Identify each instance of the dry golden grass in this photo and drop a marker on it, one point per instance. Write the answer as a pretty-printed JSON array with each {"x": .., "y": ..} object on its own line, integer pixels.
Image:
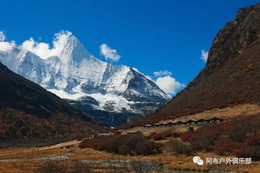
[
  {"x": 148, "y": 131},
  {"x": 225, "y": 113},
  {"x": 20, "y": 166},
  {"x": 37, "y": 152},
  {"x": 180, "y": 162}
]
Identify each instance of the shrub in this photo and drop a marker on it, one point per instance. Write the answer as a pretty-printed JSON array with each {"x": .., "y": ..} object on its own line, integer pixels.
[
  {"x": 187, "y": 136},
  {"x": 225, "y": 146},
  {"x": 203, "y": 142},
  {"x": 163, "y": 135},
  {"x": 79, "y": 167},
  {"x": 177, "y": 147},
  {"x": 98, "y": 143},
  {"x": 53, "y": 167},
  {"x": 242, "y": 126},
  {"x": 145, "y": 147},
  {"x": 253, "y": 140},
  {"x": 124, "y": 149},
  {"x": 249, "y": 152},
  {"x": 155, "y": 136},
  {"x": 133, "y": 144},
  {"x": 169, "y": 133},
  {"x": 239, "y": 137},
  {"x": 237, "y": 132}
]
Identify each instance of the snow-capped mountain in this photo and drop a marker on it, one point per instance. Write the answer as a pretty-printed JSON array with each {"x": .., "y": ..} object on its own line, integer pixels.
[{"x": 103, "y": 89}]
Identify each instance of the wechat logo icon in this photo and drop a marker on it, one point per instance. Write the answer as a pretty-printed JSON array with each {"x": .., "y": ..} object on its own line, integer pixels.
[{"x": 196, "y": 159}]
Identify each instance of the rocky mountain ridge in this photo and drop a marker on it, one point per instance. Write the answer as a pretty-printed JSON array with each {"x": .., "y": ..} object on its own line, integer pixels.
[
  {"x": 96, "y": 87},
  {"x": 231, "y": 75},
  {"x": 29, "y": 111}
]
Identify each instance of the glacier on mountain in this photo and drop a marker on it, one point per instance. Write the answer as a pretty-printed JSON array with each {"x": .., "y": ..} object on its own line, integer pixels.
[{"x": 74, "y": 74}]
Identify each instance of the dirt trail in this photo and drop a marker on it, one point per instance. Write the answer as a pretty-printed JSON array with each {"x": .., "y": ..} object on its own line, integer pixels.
[{"x": 17, "y": 152}]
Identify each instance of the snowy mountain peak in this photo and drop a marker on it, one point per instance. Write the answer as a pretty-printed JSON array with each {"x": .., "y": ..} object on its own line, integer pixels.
[
  {"x": 73, "y": 50},
  {"x": 71, "y": 72}
]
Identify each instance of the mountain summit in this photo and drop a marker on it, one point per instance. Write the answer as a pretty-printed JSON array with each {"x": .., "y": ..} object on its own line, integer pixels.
[
  {"x": 113, "y": 93},
  {"x": 232, "y": 73}
]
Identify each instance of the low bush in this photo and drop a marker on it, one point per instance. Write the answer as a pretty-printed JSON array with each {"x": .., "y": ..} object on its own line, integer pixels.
[
  {"x": 177, "y": 147},
  {"x": 155, "y": 136},
  {"x": 163, "y": 135},
  {"x": 133, "y": 144},
  {"x": 240, "y": 137},
  {"x": 249, "y": 152},
  {"x": 187, "y": 136},
  {"x": 225, "y": 146}
]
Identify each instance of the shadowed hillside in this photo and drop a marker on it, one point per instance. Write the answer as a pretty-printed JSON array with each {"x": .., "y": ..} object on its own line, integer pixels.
[
  {"x": 231, "y": 75},
  {"x": 27, "y": 110}
]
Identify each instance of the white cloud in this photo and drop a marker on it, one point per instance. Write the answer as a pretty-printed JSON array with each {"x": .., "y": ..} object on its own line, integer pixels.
[
  {"x": 162, "y": 73},
  {"x": 168, "y": 84},
  {"x": 108, "y": 53},
  {"x": 43, "y": 49},
  {"x": 5, "y": 45},
  {"x": 204, "y": 55},
  {"x": 2, "y": 36}
]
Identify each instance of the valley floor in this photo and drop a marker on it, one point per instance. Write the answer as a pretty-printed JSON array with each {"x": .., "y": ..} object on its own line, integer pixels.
[{"x": 31, "y": 159}]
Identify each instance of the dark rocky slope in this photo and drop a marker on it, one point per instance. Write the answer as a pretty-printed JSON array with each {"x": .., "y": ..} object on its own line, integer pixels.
[
  {"x": 29, "y": 111},
  {"x": 231, "y": 75}
]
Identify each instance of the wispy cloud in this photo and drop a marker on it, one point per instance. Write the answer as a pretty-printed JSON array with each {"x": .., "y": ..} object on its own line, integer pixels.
[
  {"x": 2, "y": 36},
  {"x": 5, "y": 45},
  {"x": 162, "y": 73},
  {"x": 204, "y": 55},
  {"x": 108, "y": 53}
]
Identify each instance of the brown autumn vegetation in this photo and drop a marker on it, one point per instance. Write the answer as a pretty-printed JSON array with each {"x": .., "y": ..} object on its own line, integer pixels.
[
  {"x": 157, "y": 136},
  {"x": 29, "y": 111},
  {"x": 130, "y": 144},
  {"x": 240, "y": 137},
  {"x": 19, "y": 125},
  {"x": 230, "y": 77}
]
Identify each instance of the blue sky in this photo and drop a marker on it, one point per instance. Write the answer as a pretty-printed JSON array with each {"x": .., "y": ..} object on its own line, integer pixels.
[{"x": 151, "y": 36}]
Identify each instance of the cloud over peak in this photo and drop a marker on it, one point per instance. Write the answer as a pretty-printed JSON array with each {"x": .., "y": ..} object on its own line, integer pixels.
[
  {"x": 5, "y": 45},
  {"x": 43, "y": 49},
  {"x": 108, "y": 53}
]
